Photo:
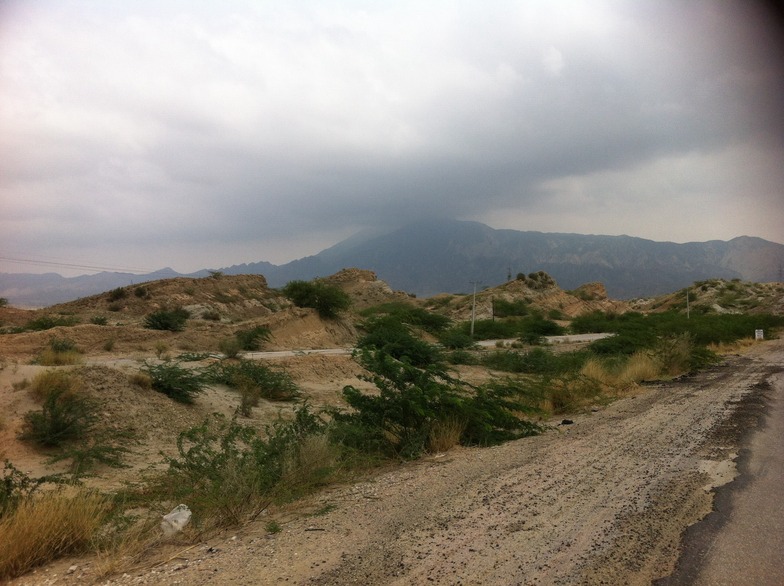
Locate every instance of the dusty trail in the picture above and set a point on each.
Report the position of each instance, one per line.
(602, 501)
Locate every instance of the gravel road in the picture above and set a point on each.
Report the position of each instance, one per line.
(604, 500)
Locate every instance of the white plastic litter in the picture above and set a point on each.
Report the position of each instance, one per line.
(176, 521)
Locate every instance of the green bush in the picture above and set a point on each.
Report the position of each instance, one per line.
(326, 299)
(487, 329)
(172, 320)
(455, 339)
(252, 339)
(388, 335)
(230, 347)
(47, 322)
(65, 416)
(117, 294)
(535, 361)
(15, 487)
(409, 314)
(504, 308)
(61, 351)
(635, 331)
(98, 320)
(225, 470)
(275, 385)
(174, 381)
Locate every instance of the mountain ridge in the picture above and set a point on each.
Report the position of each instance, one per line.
(446, 256)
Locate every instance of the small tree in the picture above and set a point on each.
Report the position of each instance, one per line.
(418, 395)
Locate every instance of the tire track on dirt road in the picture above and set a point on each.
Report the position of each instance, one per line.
(603, 501)
(606, 497)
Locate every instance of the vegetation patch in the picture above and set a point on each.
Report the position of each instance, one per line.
(60, 352)
(253, 377)
(172, 320)
(328, 300)
(174, 381)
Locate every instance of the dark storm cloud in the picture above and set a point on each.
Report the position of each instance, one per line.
(203, 130)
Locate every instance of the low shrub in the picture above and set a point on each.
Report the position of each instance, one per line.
(230, 347)
(117, 294)
(174, 381)
(227, 471)
(252, 339)
(513, 308)
(535, 361)
(455, 338)
(64, 417)
(411, 315)
(15, 487)
(47, 322)
(272, 384)
(172, 320)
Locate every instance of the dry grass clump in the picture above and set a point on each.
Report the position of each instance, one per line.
(141, 379)
(312, 460)
(128, 548)
(640, 366)
(49, 382)
(47, 527)
(51, 357)
(617, 378)
(445, 434)
(740, 345)
(570, 392)
(61, 352)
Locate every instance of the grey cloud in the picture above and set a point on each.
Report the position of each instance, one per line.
(248, 123)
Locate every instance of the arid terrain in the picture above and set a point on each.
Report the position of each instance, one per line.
(602, 497)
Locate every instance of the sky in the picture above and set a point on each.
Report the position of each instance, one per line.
(197, 134)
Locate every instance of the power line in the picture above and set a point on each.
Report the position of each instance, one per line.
(71, 265)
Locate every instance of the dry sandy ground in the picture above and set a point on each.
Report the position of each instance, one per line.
(603, 500)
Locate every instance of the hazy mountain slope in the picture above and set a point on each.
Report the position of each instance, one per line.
(438, 256)
(446, 256)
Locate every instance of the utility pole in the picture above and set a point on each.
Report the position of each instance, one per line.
(687, 302)
(473, 307)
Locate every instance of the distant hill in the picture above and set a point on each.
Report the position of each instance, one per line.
(445, 256)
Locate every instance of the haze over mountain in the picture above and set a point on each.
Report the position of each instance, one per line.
(446, 256)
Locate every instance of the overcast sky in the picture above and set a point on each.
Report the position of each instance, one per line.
(200, 134)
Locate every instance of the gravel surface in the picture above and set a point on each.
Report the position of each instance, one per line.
(603, 500)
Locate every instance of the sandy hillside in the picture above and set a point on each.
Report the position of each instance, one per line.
(547, 510)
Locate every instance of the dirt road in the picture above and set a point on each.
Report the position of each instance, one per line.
(603, 500)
